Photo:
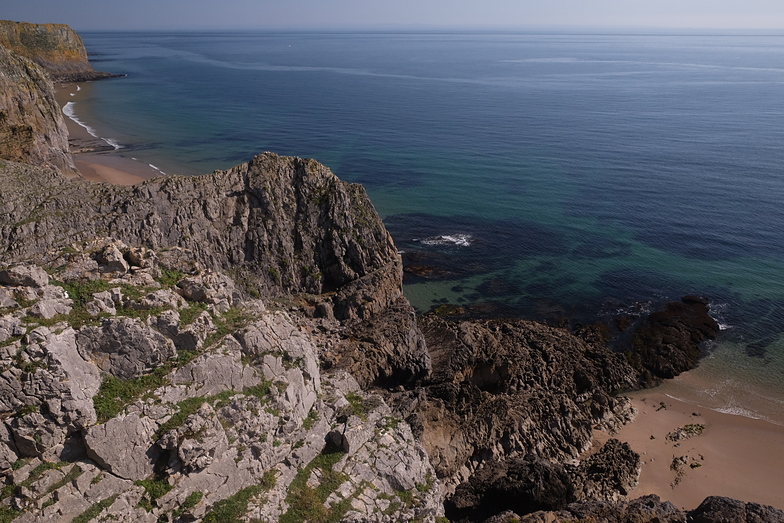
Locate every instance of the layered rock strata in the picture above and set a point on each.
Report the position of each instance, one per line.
(162, 392)
(57, 48)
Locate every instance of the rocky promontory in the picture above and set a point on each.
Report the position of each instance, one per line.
(57, 48)
(236, 346)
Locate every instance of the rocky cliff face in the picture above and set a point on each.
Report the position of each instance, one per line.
(55, 47)
(32, 129)
(137, 385)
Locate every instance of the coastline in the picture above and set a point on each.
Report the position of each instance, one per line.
(733, 455)
(730, 447)
(95, 159)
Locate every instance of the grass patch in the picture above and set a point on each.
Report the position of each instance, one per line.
(356, 405)
(115, 394)
(169, 278)
(154, 488)
(310, 420)
(307, 503)
(230, 321)
(93, 512)
(191, 501)
(189, 314)
(234, 508)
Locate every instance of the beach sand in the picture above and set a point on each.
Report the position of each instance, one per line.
(95, 159)
(734, 456)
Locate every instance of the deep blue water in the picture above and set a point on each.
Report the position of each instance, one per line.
(549, 175)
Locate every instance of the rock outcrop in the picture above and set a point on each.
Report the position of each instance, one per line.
(55, 47)
(32, 129)
(108, 413)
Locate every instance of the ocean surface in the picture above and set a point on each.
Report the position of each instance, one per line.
(548, 176)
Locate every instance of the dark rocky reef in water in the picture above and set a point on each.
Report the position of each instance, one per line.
(57, 48)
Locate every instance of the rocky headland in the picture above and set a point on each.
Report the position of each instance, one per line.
(236, 347)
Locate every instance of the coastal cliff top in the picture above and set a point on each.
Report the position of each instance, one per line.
(55, 47)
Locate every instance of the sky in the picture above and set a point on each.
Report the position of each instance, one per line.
(415, 14)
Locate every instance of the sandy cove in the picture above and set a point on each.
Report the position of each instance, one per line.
(733, 456)
(96, 160)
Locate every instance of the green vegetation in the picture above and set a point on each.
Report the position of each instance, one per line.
(307, 503)
(231, 321)
(310, 420)
(189, 314)
(232, 509)
(93, 512)
(357, 405)
(169, 278)
(154, 488)
(191, 501)
(115, 394)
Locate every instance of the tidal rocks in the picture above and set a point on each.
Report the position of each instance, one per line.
(500, 388)
(670, 341)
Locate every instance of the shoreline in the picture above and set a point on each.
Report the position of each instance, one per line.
(735, 456)
(720, 454)
(95, 159)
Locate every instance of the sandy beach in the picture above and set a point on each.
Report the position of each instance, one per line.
(718, 454)
(95, 159)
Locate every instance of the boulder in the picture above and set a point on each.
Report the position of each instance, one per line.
(124, 446)
(124, 347)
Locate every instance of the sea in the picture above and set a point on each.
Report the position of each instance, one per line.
(544, 175)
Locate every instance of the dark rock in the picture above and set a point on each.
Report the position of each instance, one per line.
(124, 347)
(503, 387)
(519, 485)
(610, 474)
(669, 341)
(717, 509)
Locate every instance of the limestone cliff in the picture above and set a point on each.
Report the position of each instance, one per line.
(32, 129)
(55, 47)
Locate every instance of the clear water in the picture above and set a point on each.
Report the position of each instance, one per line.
(545, 175)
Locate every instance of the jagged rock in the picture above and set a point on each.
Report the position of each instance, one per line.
(163, 298)
(8, 454)
(124, 347)
(670, 340)
(25, 276)
(520, 485)
(608, 475)
(209, 287)
(385, 350)
(48, 309)
(715, 509)
(10, 326)
(647, 509)
(123, 445)
(288, 222)
(200, 440)
(32, 128)
(112, 260)
(105, 302)
(500, 387)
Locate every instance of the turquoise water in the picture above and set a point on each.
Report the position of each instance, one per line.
(547, 176)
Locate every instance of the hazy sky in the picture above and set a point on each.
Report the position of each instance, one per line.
(335, 14)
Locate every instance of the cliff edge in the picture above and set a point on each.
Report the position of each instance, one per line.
(55, 47)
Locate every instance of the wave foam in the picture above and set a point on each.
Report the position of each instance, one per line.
(461, 240)
(68, 110)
